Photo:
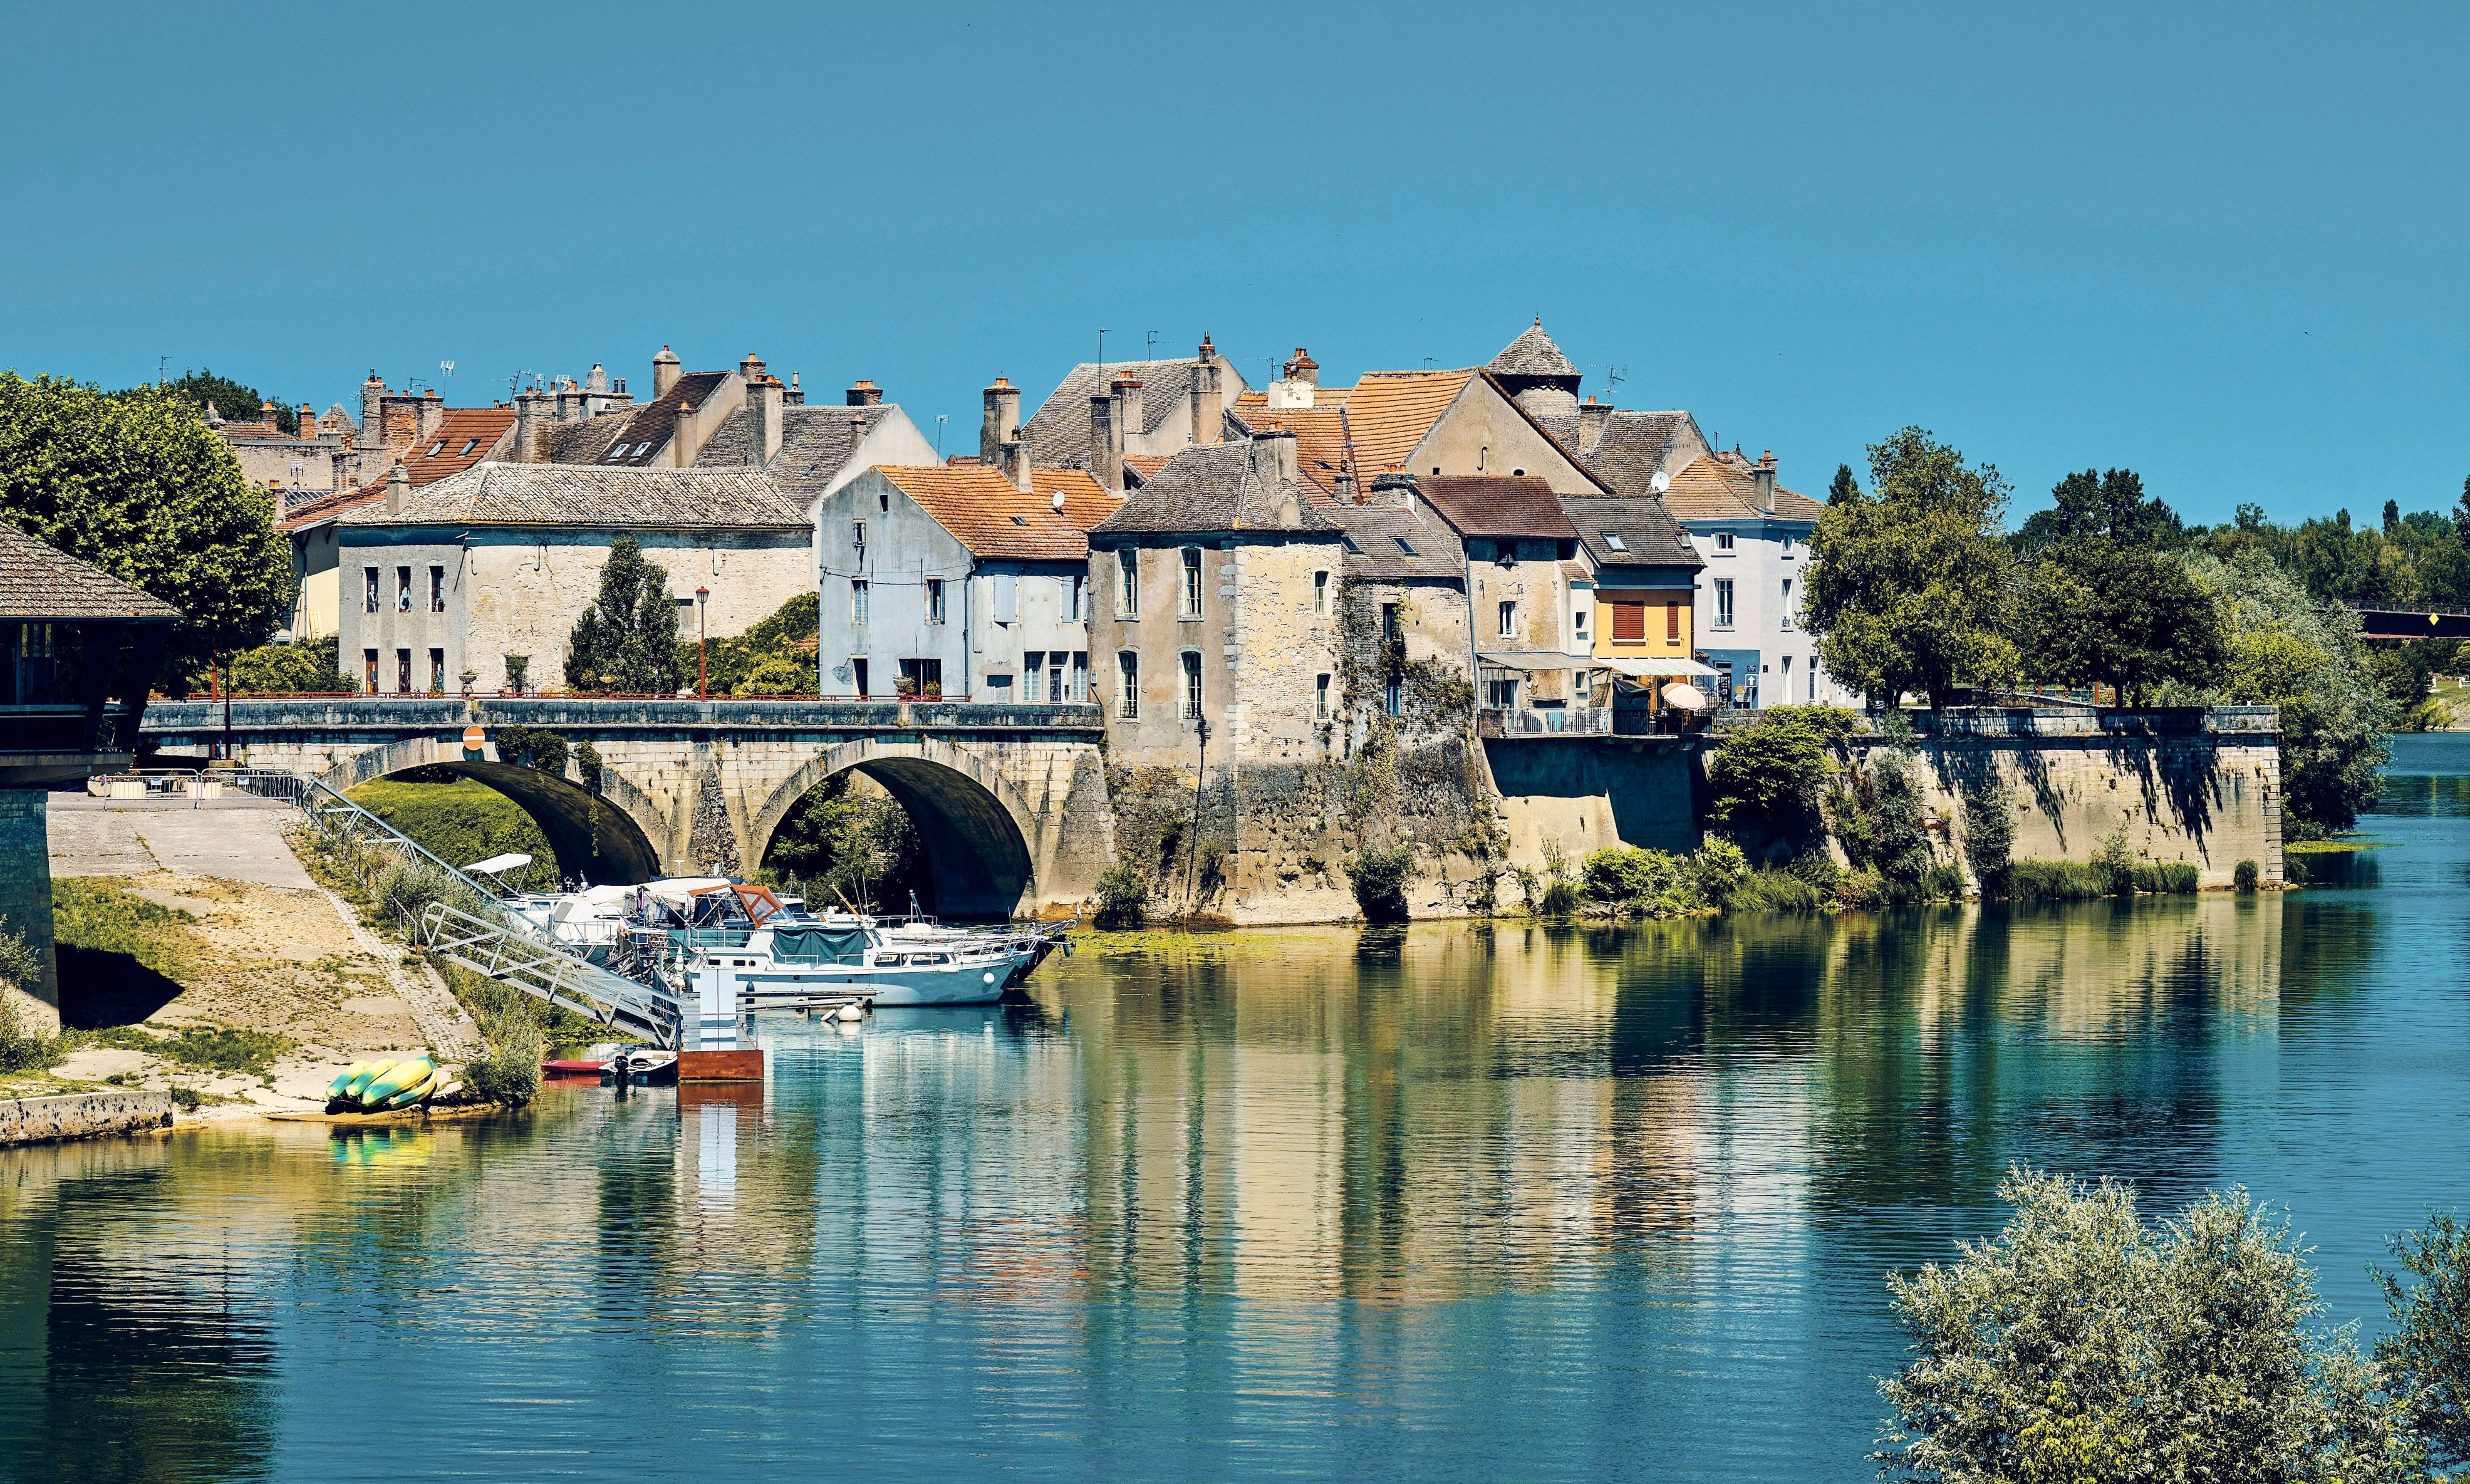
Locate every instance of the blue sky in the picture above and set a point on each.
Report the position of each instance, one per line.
(2223, 246)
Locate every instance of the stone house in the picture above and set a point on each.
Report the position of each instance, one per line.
(955, 581)
(1103, 414)
(1405, 571)
(1754, 537)
(502, 559)
(1528, 594)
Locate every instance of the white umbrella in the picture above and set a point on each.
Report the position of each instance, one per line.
(1687, 697)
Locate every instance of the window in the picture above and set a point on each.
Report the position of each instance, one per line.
(1788, 548)
(1724, 543)
(465, 451)
(369, 666)
(1510, 619)
(857, 673)
(1033, 666)
(1578, 621)
(1352, 550)
(437, 447)
(1505, 553)
(616, 453)
(1055, 691)
(685, 615)
(1500, 694)
(1787, 605)
(1629, 623)
(1671, 622)
(1191, 599)
(1007, 597)
(1404, 545)
(1128, 686)
(857, 599)
(883, 502)
(924, 677)
(1020, 520)
(999, 689)
(1787, 677)
(857, 543)
(1388, 620)
(370, 575)
(1079, 694)
(437, 672)
(437, 590)
(1613, 540)
(403, 671)
(934, 600)
(403, 591)
(1320, 593)
(1811, 670)
(1393, 696)
(642, 449)
(1723, 602)
(1076, 598)
(1320, 696)
(1191, 685)
(1128, 586)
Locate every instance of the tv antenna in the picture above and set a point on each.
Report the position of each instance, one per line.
(941, 418)
(162, 369)
(515, 384)
(1152, 353)
(446, 368)
(1614, 376)
(1102, 345)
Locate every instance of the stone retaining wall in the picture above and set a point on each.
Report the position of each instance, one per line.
(81, 1115)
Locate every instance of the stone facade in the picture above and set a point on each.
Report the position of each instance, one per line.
(26, 898)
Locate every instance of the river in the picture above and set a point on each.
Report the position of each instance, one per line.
(1446, 1203)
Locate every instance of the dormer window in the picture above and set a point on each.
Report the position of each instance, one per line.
(1613, 540)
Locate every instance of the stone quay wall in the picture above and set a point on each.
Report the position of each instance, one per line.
(81, 1115)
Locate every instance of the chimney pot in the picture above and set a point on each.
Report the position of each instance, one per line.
(664, 372)
(1012, 460)
(1000, 422)
(865, 394)
(1105, 444)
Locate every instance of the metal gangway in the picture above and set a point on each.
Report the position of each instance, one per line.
(481, 934)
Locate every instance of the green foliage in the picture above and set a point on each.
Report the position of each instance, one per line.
(461, 822)
(1769, 774)
(2056, 881)
(1560, 899)
(509, 1073)
(2427, 715)
(2093, 611)
(627, 640)
(1122, 897)
(219, 1049)
(519, 672)
(25, 1046)
(1942, 882)
(93, 915)
(1632, 876)
(1770, 889)
(137, 485)
(1842, 490)
(838, 842)
(1718, 870)
(2111, 507)
(1875, 814)
(1380, 875)
(587, 765)
(774, 657)
(238, 404)
(1990, 831)
(2081, 1343)
(2290, 651)
(778, 675)
(2426, 1358)
(307, 669)
(404, 887)
(1859, 890)
(2244, 875)
(2419, 559)
(1909, 581)
(533, 747)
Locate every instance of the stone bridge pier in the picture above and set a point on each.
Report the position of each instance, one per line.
(1009, 802)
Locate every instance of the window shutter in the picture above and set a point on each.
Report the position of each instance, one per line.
(1007, 599)
(1629, 622)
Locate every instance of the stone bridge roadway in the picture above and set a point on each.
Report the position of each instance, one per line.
(1009, 802)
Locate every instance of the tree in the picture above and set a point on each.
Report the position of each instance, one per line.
(2080, 1344)
(2286, 650)
(2110, 505)
(1841, 489)
(1767, 775)
(2095, 610)
(2427, 1356)
(1908, 584)
(1989, 832)
(237, 404)
(627, 640)
(2462, 516)
(137, 485)
(293, 669)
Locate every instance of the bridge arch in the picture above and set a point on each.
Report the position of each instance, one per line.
(973, 827)
(595, 837)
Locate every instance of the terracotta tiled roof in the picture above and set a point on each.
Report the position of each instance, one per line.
(466, 436)
(40, 581)
(1720, 487)
(984, 513)
(1142, 464)
(1320, 443)
(1389, 412)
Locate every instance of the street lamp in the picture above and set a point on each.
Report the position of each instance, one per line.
(703, 595)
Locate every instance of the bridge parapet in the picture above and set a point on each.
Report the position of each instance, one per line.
(428, 713)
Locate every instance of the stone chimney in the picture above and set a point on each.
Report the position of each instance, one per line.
(1106, 449)
(1395, 487)
(766, 397)
(664, 372)
(751, 368)
(1000, 424)
(1274, 457)
(1013, 458)
(1209, 412)
(866, 394)
(397, 489)
(1762, 482)
(1593, 418)
(597, 381)
(685, 439)
(372, 402)
(531, 417)
(1295, 388)
(797, 395)
(1129, 423)
(433, 414)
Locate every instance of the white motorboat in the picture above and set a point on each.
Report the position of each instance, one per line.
(781, 958)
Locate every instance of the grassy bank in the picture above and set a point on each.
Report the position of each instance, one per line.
(461, 822)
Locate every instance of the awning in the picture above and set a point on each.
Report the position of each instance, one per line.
(499, 863)
(1539, 659)
(1659, 668)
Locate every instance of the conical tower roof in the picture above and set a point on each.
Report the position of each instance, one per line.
(1533, 355)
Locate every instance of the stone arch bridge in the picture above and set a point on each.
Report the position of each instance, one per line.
(1009, 802)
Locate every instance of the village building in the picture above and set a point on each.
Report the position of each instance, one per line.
(1110, 416)
(1528, 594)
(1634, 611)
(1754, 537)
(953, 582)
(448, 586)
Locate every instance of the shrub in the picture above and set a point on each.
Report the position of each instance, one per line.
(776, 675)
(1769, 773)
(1858, 889)
(405, 887)
(1380, 875)
(1989, 832)
(2427, 1365)
(1876, 816)
(1625, 875)
(1771, 890)
(2116, 863)
(1818, 869)
(24, 1046)
(509, 1074)
(2244, 875)
(519, 672)
(2056, 881)
(1718, 870)
(1123, 895)
(1943, 883)
(2164, 879)
(1560, 899)
(533, 747)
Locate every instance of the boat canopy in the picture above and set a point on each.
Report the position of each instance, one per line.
(825, 943)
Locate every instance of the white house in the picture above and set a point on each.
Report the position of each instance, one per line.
(1754, 540)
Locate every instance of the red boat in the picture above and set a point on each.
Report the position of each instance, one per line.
(555, 1070)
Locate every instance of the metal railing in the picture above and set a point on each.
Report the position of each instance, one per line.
(1577, 721)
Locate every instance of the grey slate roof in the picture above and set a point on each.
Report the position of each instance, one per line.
(583, 442)
(1533, 355)
(1630, 448)
(815, 443)
(605, 497)
(1654, 539)
(1058, 431)
(39, 582)
(1375, 531)
(1212, 487)
(653, 422)
(1515, 505)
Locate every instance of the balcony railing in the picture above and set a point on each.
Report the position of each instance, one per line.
(1573, 721)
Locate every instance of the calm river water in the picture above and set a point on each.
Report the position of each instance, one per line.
(1456, 1204)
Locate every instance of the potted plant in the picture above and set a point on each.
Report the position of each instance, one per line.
(518, 672)
(467, 677)
(934, 690)
(905, 687)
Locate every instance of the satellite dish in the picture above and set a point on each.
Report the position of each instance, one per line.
(1661, 482)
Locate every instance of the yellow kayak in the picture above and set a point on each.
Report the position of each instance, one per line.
(358, 1087)
(410, 1072)
(343, 1079)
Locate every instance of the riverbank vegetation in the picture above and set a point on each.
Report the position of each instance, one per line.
(460, 820)
(2085, 1343)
